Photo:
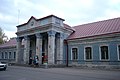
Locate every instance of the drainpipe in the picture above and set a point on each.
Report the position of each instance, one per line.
(66, 53)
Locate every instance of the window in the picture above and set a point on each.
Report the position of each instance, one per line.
(2, 56)
(14, 55)
(6, 55)
(32, 23)
(74, 54)
(118, 52)
(88, 53)
(10, 55)
(104, 52)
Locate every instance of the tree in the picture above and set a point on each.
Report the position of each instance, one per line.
(3, 37)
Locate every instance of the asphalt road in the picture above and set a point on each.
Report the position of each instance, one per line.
(28, 73)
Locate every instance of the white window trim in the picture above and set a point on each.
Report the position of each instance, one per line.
(91, 53)
(77, 51)
(118, 52)
(2, 53)
(14, 55)
(6, 56)
(108, 52)
(9, 55)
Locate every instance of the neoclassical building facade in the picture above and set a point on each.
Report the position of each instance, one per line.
(55, 42)
(42, 37)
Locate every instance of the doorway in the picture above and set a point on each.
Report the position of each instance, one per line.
(30, 57)
(43, 54)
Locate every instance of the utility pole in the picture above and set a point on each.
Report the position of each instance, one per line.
(18, 15)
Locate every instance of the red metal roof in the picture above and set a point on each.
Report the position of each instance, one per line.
(96, 28)
(66, 26)
(10, 43)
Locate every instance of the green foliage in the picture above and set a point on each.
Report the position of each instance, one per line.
(3, 37)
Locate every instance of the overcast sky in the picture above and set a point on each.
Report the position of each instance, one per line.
(75, 12)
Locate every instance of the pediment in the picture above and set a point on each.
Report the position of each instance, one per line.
(32, 21)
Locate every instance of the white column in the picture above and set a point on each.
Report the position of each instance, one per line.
(19, 44)
(39, 47)
(26, 49)
(51, 47)
(60, 49)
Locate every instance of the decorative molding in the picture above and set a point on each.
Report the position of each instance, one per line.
(32, 23)
(71, 58)
(99, 38)
(38, 35)
(43, 29)
(26, 38)
(118, 52)
(78, 42)
(85, 52)
(51, 33)
(100, 52)
(61, 35)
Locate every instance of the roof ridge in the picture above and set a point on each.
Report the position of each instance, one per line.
(50, 16)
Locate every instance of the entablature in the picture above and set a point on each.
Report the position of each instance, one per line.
(33, 22)
(97, 39)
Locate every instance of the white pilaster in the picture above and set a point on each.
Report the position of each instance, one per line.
(26, 49)
(39, 47)
(51, 47)
(19, 43)
(60, 49)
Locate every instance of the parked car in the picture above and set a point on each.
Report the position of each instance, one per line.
(3, 66)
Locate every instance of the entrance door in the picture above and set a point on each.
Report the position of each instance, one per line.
(30, 57)
(43, 54)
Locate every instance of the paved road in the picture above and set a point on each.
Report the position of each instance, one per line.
(27, 73)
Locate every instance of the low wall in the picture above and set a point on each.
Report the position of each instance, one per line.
(92, 66)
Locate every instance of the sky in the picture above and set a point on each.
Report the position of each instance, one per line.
(75, 12)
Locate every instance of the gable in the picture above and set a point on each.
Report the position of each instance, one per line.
(32, 19)
(32, 22)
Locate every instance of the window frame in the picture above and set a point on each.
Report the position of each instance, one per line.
(101, 53)
(10, 57)
(85, 53)
(118, 52)
(6, 55)
(14, 55)
(2, 55)
(72, 54)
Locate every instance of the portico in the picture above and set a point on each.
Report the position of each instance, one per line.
(42, 37)
(41, 45)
